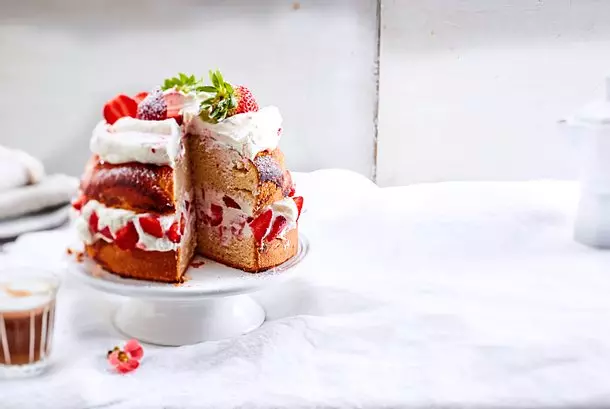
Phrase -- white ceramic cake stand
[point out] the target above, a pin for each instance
(212, 304)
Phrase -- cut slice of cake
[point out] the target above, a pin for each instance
(245, 216)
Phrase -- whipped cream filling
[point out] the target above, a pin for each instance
(287, 208)
(136, 140)
(248, 133)
(116, 219)
(234, 222)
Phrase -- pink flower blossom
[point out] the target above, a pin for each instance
(134, 349)
(128, 359)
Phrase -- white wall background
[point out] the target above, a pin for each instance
(472, 89)
(469, 89)
(62, 59)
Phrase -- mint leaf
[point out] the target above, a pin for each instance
(183, 82)
(207, 88)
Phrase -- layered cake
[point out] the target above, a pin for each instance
(191, 167)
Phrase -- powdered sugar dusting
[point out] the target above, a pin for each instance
(269, 170)
(153, 107)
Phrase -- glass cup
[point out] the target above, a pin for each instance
(27, 317)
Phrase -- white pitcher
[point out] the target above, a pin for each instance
(589, 128)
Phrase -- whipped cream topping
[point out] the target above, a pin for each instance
(192, 101)
(136, 140)
(248, 133)
(116, 219)
(22, 294)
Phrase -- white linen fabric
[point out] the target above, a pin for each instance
(438, 295)
(17, 168)
(30, 200)
(51, 191)
(46, 219)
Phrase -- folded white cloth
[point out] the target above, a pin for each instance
(47, 219)
(50, 192)
(30, 200)
(18, 168)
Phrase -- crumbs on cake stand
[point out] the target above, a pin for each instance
(197, 263)
(183, 280)
(79, 256)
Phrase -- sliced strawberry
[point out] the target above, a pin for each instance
(229, 202)
(298, 200)
(151, 225)
(179, 119)
(260, 225)
(175, 103)
(93, 221)
(119, 107)
(140, 96)
(216, 217)
(291, 192)
(78, 203)
(106, 233)
(127, 237)
(173, 234)
(278, 226)
(182, 224)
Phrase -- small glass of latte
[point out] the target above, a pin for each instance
(27, 317)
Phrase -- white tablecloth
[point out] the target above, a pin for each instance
(449, 294)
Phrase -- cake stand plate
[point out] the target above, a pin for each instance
(212, 304)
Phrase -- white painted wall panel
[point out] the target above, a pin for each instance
(472, 89)
(62, 59)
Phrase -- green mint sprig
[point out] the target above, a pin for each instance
(220, 96)
(184, 83)
(222, 101)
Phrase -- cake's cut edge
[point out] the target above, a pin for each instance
(276, 253)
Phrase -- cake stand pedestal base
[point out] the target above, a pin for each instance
(174, 323)
(212, 304)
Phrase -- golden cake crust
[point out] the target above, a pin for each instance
(139, 264)
(269, 190)
(131, 186)
(278, 251)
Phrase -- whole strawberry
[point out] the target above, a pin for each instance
(153, 107)
(245, 101)
(225, 100)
